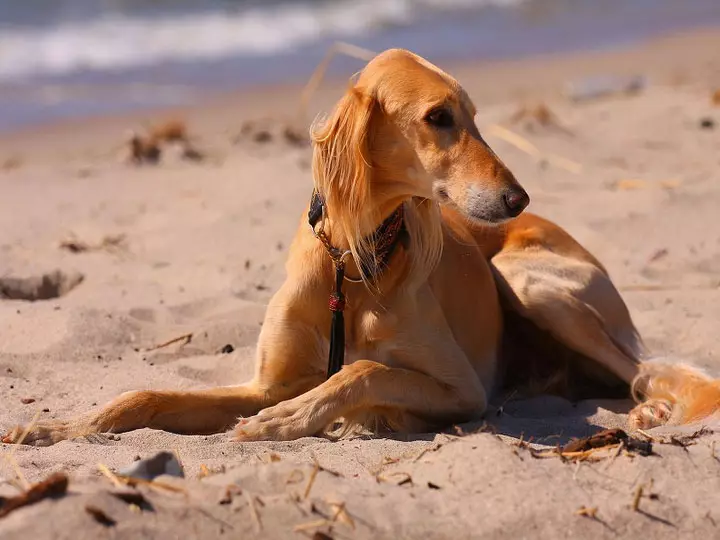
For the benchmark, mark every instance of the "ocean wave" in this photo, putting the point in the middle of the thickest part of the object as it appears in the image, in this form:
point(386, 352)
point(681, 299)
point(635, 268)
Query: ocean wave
point(113, 42)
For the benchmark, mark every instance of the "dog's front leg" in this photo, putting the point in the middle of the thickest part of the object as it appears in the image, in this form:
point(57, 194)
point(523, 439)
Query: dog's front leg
point(289, 363)
point(407, 399)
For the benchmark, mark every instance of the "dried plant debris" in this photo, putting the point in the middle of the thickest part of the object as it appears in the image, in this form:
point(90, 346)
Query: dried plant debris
point(148, 148)
point(609, 437)
point(538, 117)
point(597, 446)
point(112, 243)
point(11, 163)
point(632, 184)
point(587, 511)
point(131, 496)
point(521, 143)
point(53, 486)
point(707, 123)
point(601, 86)
point(100, 515)
point(44, 287)
point(267, 131)
point(181, 340)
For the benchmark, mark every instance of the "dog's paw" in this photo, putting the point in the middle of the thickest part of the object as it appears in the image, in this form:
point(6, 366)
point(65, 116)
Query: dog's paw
point(283, 422)
point(40, 434)
point(652, 413)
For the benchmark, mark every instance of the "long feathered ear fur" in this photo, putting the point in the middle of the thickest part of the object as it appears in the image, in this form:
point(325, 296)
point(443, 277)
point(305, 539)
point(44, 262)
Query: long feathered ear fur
point(342, 170)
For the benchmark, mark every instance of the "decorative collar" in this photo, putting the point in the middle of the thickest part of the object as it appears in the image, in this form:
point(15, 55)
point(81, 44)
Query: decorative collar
point(385, 238)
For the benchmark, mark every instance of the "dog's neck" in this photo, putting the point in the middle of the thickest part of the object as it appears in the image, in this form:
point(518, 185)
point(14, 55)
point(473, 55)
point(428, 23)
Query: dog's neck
point(385, 237)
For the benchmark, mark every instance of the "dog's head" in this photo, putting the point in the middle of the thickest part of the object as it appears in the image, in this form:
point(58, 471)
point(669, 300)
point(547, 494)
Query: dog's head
point(407, 129)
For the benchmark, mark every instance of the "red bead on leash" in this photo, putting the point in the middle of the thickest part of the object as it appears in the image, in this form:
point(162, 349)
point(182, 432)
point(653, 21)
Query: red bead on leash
point(336, 302)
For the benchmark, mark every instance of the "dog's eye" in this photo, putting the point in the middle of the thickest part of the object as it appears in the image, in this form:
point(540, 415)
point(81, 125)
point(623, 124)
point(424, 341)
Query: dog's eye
point(441, 118)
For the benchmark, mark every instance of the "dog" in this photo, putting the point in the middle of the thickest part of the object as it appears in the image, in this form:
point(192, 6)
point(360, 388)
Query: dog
point(450, 289)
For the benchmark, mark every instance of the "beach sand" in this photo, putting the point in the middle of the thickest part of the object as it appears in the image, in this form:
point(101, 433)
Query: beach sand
point(198, 248)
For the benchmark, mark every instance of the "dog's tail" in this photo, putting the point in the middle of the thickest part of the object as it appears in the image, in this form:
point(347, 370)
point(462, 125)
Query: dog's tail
point(689, 394)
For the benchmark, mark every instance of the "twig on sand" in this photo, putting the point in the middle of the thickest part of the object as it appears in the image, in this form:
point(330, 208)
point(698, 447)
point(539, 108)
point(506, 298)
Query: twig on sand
point(521, 143)
point(313, 474)
point(122, 481)
point(587, 511)
point(646, 435)
point(295, 477)
point(341, 514)
point(406, 478)
point(185, 339)
point(584, 455)
point(637, 495)
point(316, 78)
point(612, 459)
point(311, 525)
point(578, 464)
point(10, 458)
point(421, 453)
point(111, 475)
point(253, 511)
point(311, 480)
point(54, 485)
point(648, 288)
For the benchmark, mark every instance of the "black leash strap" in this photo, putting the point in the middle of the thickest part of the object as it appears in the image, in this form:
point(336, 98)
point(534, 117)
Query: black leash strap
point(386, 236)
point(337, 326)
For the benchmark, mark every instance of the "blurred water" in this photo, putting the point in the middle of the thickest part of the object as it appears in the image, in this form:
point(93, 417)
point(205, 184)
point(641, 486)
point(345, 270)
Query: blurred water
point(64, 58)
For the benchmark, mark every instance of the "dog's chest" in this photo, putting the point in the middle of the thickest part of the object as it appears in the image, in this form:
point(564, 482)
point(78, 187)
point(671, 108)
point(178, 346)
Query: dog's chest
point(371, 337)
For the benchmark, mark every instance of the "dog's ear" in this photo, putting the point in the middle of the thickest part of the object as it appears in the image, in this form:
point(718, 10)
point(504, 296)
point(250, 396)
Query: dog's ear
point(342, 163)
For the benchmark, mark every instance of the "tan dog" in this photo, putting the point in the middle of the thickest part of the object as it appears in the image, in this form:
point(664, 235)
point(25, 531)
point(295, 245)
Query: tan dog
point(426, 333)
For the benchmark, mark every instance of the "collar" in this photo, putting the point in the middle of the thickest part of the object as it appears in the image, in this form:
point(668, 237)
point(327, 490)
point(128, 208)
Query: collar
point(385, 238)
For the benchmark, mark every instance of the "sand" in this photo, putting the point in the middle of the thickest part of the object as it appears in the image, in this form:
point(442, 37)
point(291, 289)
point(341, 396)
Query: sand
point(200, 247)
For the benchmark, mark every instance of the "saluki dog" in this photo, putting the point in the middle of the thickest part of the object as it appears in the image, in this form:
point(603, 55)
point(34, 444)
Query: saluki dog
point(451, 292)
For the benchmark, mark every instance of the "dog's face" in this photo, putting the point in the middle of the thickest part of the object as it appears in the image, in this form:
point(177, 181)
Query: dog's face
point(425, 128)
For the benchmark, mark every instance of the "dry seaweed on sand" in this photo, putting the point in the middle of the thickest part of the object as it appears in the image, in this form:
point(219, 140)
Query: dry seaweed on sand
point(595, 447)
point(606, 438)
point(149, 147)
point(53, 486)
point(113, 242)
point(538, 116)
point(99, 515)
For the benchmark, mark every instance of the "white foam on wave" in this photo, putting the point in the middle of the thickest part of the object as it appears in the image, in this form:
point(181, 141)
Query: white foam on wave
point(117, 42)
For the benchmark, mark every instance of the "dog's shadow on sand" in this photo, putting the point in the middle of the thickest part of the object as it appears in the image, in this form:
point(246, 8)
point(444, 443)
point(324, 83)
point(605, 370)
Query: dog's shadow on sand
point(544, 420)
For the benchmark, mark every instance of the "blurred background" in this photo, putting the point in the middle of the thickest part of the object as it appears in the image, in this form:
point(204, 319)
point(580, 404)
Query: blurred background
point(73, 58)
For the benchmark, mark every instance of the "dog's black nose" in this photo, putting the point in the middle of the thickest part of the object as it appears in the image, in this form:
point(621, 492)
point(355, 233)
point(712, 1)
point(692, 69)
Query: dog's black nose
point(516, 201)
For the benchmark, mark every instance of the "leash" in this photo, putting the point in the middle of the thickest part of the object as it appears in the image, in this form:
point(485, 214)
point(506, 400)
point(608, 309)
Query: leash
point(385, 238)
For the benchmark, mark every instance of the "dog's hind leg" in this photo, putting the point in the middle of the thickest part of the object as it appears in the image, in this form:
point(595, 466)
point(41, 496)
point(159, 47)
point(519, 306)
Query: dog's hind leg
point(547, 277)
point(575, 302)
point(675, 394)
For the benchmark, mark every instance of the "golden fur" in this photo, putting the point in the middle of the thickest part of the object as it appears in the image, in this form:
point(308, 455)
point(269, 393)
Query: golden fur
point(425, 337)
